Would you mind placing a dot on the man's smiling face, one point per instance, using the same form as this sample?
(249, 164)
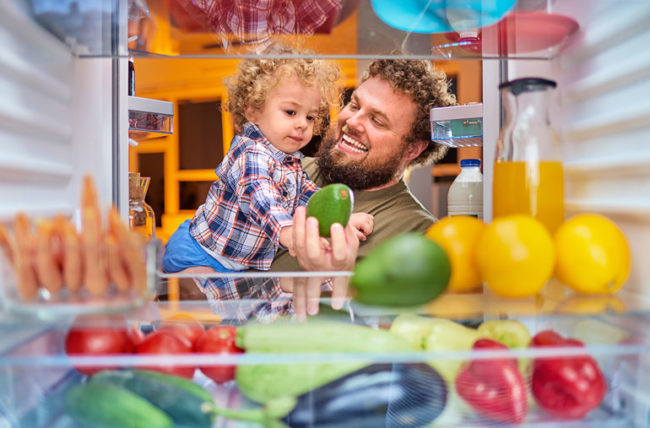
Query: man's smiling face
(368, 149)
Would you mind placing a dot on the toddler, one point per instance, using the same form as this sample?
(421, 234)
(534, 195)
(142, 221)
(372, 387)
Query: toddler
(277, 105)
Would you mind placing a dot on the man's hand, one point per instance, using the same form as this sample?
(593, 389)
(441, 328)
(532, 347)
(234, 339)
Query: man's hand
(340, 255)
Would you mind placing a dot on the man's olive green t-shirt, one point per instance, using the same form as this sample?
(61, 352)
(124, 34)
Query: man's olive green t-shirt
(394, 208)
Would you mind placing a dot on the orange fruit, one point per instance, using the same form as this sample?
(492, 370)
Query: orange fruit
(515, 256)
(458, 236)
(593, 255)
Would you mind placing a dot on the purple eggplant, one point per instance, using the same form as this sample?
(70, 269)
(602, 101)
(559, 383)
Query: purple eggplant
(379, 395)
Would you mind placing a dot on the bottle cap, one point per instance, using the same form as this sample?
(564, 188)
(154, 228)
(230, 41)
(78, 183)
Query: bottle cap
(470, 162)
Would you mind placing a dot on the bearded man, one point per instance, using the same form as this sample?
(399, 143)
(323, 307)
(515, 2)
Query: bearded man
(381, 132)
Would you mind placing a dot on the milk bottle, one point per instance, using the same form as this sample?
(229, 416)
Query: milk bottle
(465, 195)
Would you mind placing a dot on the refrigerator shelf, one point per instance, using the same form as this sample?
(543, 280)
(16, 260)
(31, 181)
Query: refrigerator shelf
(201, 30)
(458, 126)
(36, 372)
(148, 115)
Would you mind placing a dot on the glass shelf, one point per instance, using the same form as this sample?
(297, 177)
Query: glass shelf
(37, 372)
(338, 29)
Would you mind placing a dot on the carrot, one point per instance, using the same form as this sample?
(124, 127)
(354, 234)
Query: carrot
(25, 274)
(89, 200)
(7, 244)
(48, 272)
(94, 250)
(72, 258)
(58, 230)
(116, 270)
(131, 245)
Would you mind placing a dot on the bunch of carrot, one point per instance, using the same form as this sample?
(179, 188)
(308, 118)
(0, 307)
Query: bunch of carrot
(55, 255)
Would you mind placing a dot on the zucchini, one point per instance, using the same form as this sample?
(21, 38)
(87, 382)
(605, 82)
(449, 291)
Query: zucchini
(264, 382)
(183, 400)
(317, 335)
(108, 406)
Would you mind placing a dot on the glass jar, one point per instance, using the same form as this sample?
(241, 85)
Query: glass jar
(142, 218)
(528, 171)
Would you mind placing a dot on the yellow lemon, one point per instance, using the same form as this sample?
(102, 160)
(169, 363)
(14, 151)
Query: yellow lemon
(458, 236)
(515, 256)
(593, 255)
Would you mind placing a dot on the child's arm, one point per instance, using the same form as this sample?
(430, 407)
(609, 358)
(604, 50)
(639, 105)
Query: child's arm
(363, 224)
(286, 239)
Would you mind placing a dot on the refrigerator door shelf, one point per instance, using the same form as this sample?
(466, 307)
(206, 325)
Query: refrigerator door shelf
(147, 115)
(458, 126)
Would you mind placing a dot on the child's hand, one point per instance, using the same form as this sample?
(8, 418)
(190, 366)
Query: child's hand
(363, 224)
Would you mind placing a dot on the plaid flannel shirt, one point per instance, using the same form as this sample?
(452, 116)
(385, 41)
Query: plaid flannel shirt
(246, 18)
(257, 191)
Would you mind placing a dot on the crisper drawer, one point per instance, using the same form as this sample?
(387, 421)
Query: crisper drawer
(356, 367)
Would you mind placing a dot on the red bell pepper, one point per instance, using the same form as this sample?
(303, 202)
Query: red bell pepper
(570, 386)
(494, 387)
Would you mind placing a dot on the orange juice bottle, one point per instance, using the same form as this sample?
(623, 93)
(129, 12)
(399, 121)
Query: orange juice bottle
(528, 174)
(534, 188)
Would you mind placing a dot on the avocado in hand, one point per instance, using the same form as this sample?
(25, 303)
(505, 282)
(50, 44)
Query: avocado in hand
(331, 204)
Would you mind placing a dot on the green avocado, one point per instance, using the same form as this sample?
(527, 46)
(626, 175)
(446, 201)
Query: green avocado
(331, 204)
(405, 270)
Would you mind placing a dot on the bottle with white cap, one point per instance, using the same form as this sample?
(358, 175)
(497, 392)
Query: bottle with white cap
(465, 195)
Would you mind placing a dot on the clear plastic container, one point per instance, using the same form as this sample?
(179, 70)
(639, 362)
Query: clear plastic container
(48, 304)
(465, 195)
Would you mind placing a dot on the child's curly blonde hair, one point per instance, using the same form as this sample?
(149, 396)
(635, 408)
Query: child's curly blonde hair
(255, 78)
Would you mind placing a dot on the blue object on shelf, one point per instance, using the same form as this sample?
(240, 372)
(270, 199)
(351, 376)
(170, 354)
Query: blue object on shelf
(440, 16)
(470, 162)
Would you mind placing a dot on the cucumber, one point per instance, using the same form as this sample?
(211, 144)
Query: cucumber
(182, 399)
(317, 335)
(108, 406)
(264, 382)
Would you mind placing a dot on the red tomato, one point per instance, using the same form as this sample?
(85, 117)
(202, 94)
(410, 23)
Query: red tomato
(136, 335)
(166, 343)
(98, 335)
(219, 340)
(189, 329)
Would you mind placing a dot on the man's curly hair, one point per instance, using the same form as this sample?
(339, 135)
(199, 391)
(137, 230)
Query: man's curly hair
(427, 87)
(256, 77)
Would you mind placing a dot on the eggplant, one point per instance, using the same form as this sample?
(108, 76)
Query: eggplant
(378, 395)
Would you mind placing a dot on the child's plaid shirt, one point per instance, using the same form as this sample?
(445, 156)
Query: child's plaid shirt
(254, 197)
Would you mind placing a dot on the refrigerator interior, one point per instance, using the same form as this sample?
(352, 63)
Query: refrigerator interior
(64, 113)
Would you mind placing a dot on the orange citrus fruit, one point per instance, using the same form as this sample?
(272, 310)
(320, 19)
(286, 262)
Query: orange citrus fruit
(593, 255)
(458, 236)
(515, 256)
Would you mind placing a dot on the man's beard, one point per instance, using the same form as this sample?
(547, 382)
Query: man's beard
(358, 175)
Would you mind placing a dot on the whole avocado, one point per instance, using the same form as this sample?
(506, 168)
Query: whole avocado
(331, 204)
(406, 270)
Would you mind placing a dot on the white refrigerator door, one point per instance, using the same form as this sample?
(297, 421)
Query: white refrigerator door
(57, 120)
